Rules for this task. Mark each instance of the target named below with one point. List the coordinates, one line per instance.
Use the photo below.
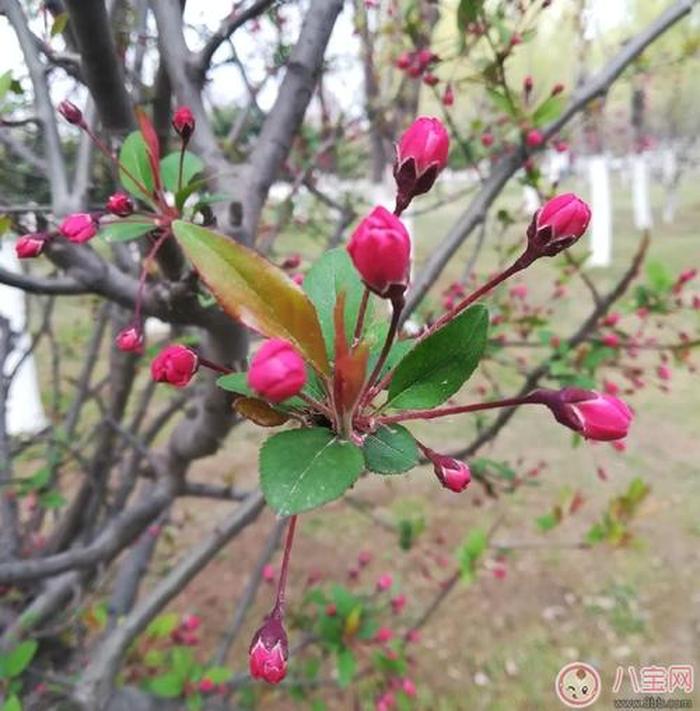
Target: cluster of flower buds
(418, 64)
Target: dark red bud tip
(277, 371)
(421, 154)
(175, 365)
(534, 138)
(31, 245)
(120, 205)
(71, 113)
(184, 123)
(380, 249)
(269, 651)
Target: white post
(670, 173)
(601, 221)
(25, 413)
(531, 200)
(640, 192)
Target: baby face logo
(578, 685)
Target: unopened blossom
(277, 371)
(175, 365)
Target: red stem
(361, 316)
(179, 170)
(215, 366)
(144, 273)
(456, 410)
(282, 585)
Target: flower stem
(316, 404)
(144, 273)
(180, 166)
(361, 317)
(215, 366)
(397, 304)
(456, 410)
(282, 585)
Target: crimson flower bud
(420, 156)
(398, 603)
(383, 635)
(79, 227)
(486, 140)
(269, 651)
(385, 582)
(404, 61)
(429, 79)
(452, 474)
(71, 113)
(292, 261)
(558, 225)
(557, 89)
(190, 622)
(534, 138)
(528, 83)
(380, 249)
(130, 340)
(120, 205)
(277, 371)
(595, 415)
(206, 685)
(561, 146)
(175, 365)
(448, 97)
(30, 246)
(408, 687)
(183, 123)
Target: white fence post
(601, 221)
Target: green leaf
(347, 664)
(254, 291)
(467, 12)
(331, 274)
(12, 703)
(52, 500)
(170, 166)
(182, 660)
(16, 661)
(236, 383)
(194, 702)
(59, 24)
(502, 102)
(390, 450)
(438, 366)
(470, 551)
(302, 469)
(122, 231)
(547, 522)
(167, 686)
(549, 110)
(163, 625)
(134, 157)
(219, 675)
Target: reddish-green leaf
(255, 292)
(150, 138)
(350, 363)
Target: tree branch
(502, 173)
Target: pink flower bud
(557, 89)
(561, 146)
(385, 582)
(664, 372)
(404, 61)
(430, 79)
(71, 113)
(528, 83)
(183, 123)
(191, 623)
(486, 140)
(364, 558)
(277, 371)
(206, 685)
(611, 319)
(611, 340)
(453, 474)
(269, 651)
(175, 365)
(331, 610)
(420, 155)
(120, 205)
(79, 227)
(30, 246)
(292, 261)
(130, 340)
(398, 603)
(380, 249)
(268, 573)
(595, 415)
(534, 138)
(384, 634)
(408, 687)
(558, 225)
